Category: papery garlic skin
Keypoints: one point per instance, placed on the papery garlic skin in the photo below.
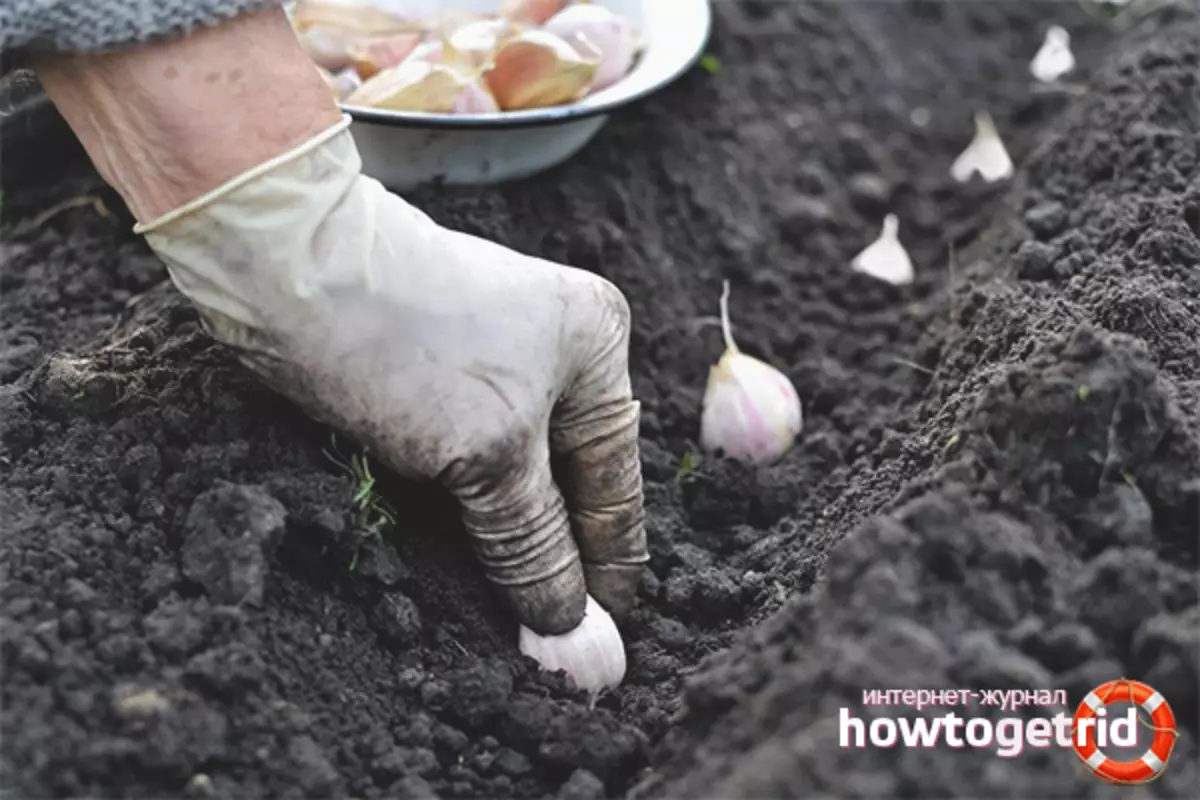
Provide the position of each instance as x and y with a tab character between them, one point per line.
534	12
328	29
417	86
986	154
535	69
372	56
1054	59
475	43
751	411
885	258
344	83
596	31
475	99
592	655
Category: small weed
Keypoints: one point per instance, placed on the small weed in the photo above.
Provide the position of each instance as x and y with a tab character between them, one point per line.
1129	478
710	63
955	438
374	513
1083	392
688	463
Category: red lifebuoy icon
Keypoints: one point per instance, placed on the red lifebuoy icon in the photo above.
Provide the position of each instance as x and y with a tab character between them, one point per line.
1151	763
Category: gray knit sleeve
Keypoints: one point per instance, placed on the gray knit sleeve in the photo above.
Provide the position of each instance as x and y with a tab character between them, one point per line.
90	25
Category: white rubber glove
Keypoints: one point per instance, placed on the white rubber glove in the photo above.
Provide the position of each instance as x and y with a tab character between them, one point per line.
448	357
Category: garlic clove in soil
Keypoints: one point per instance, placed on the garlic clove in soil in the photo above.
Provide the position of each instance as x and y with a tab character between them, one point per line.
986	154
535	69
595	30
592	655
885	258
1054	59
751	411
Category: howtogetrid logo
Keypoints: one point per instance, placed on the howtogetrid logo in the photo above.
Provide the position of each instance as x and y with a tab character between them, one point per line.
1104	738
1088	721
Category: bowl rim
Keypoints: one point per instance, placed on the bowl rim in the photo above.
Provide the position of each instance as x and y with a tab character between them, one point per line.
535	117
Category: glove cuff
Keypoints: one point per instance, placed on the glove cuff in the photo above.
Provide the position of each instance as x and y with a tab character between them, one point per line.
143	228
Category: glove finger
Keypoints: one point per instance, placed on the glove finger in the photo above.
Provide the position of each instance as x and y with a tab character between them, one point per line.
521	533
594	432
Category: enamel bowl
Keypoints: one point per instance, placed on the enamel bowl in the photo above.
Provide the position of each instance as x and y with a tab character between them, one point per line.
405	149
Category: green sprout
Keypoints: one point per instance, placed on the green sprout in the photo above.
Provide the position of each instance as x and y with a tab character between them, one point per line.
373	509
710	63
687	465
1083	392
1129	479
374	513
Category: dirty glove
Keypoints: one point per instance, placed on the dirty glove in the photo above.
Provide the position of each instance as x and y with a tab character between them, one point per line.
447	356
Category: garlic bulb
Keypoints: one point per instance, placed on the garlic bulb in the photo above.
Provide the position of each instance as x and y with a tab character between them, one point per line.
535	68
885	258
751	411
1054	59
592	655
596	31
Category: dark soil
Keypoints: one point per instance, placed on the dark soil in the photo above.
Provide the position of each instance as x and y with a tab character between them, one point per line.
998	485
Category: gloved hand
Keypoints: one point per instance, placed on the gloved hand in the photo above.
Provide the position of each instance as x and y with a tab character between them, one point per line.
449	357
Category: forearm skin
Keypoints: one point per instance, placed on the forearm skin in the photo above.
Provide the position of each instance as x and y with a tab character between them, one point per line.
169	121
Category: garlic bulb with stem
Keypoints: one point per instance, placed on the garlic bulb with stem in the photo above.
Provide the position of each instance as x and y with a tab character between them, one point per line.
751	411
885	258
1054	59
985	154
592	655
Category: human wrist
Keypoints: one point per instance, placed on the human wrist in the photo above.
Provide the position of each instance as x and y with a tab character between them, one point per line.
168	122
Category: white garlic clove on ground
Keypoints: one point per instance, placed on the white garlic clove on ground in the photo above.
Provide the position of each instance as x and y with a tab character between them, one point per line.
592	655
751	411
986	154
1054	59
885	258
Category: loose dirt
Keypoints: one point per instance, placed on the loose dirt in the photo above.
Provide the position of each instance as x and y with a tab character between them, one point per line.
998	484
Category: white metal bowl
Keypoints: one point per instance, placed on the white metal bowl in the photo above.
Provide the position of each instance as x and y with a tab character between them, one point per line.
406	149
